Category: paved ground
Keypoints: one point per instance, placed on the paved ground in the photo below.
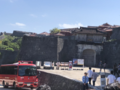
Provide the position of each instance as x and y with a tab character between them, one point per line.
76	74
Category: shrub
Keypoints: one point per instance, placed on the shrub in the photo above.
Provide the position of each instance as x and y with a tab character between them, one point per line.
9	49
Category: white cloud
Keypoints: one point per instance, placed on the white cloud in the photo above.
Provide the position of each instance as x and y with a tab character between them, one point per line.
70	25
18	24
33	15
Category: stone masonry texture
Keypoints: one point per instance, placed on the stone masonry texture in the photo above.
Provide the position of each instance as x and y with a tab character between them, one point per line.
8	57
47	49
57	82
111	53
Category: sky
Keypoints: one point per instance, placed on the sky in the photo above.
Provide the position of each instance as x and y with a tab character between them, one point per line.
43	15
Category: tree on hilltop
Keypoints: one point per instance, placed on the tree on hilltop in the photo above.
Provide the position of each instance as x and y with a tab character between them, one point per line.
55	30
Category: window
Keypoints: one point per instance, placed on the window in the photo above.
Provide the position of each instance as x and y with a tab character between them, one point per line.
12	70
27	71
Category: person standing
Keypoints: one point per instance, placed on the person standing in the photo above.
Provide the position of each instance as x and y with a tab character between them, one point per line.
90	75
94	77
100	65
85	81
118	80
115	69
119	70
104	66
111	78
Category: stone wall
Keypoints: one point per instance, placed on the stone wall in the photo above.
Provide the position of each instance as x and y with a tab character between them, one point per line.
20	33
8	57
89	38
47	49
116	34
38	49
57	82
96	48
67	49
111	53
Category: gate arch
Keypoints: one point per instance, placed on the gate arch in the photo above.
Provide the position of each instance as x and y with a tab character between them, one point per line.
89	57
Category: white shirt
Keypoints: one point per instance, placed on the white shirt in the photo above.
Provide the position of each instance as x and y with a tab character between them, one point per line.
118	79
89	73
111	78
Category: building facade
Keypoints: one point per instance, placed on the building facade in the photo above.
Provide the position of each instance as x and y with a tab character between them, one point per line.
89	43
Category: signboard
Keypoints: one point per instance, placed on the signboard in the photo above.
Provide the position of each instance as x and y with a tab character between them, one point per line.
64	64
70	65
74	61
80	62
38	63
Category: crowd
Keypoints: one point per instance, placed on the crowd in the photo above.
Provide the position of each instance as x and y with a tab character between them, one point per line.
92	75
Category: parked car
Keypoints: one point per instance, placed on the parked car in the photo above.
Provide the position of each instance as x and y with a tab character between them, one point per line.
48	65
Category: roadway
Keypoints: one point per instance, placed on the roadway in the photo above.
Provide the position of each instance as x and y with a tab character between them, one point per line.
10	88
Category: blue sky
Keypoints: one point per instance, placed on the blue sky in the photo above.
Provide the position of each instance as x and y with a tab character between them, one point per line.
42	15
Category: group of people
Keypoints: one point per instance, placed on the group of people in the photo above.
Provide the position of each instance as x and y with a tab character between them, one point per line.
92	75
102	65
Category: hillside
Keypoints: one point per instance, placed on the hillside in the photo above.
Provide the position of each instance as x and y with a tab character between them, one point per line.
10	43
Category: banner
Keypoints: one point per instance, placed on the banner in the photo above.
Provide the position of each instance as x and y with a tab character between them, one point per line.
80	62
74	61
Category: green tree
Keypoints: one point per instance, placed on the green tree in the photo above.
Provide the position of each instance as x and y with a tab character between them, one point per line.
55	30
14	46
9	49
3	47
11	43
19	41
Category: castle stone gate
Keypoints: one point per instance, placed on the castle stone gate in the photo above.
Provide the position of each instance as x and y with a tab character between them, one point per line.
89	56
88	53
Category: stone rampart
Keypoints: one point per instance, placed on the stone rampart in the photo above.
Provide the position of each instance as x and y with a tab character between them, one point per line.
47	49
8	57
38	49
116	34
57	82
111	53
